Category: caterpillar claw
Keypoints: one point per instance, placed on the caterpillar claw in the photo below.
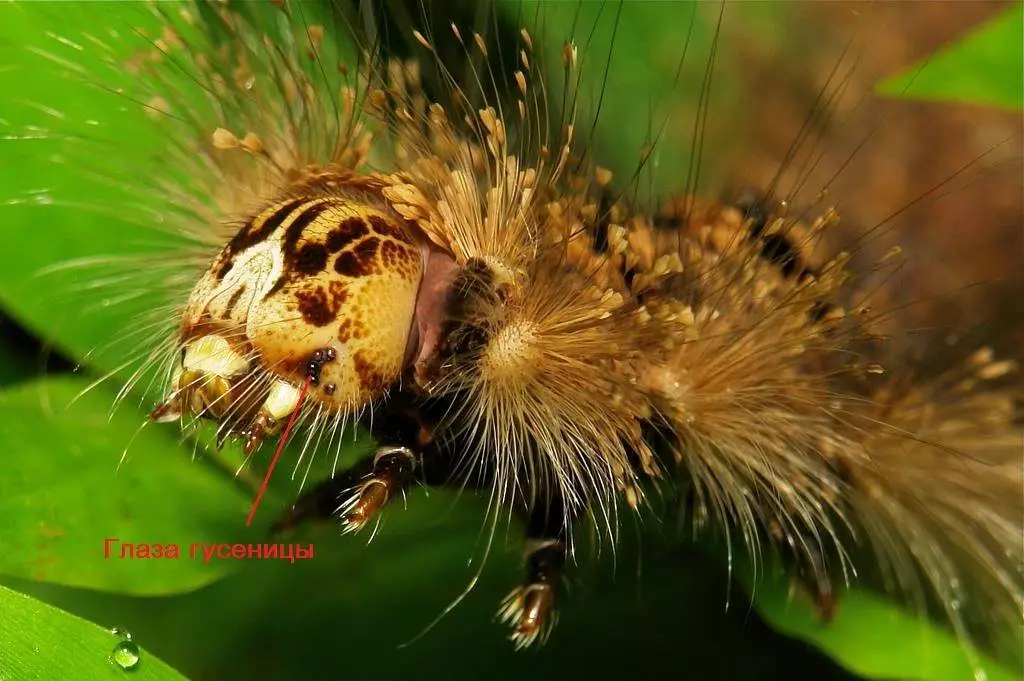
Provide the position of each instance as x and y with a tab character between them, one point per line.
530	611
392	471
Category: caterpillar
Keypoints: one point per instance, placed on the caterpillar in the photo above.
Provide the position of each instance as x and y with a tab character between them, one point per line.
460	276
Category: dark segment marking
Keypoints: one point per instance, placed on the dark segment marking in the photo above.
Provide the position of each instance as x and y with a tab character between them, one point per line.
345	233
775	248
779	250
629	275
254	232
604	213
755	210
233	301
359	262
464	329
818	311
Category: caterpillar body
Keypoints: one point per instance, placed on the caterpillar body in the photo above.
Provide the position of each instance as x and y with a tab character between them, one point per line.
502	313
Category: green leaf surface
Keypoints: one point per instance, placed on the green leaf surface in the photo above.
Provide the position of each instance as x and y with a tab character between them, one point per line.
40	642
59	186
875	639
984	67
62	494
656	613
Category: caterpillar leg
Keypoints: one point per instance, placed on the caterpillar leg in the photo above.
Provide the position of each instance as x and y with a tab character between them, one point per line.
363	490
357	494
809	572
391	472
811	578
819	587
530	608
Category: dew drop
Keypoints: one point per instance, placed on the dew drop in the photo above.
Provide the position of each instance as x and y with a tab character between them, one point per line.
126	655
120	632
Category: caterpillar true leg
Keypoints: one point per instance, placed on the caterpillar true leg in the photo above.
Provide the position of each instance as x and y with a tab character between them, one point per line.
364	489
530	608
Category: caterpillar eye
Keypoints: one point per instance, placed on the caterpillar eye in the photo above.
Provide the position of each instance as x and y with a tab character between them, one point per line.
323	288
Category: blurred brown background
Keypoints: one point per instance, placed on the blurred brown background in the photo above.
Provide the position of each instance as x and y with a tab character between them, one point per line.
964	243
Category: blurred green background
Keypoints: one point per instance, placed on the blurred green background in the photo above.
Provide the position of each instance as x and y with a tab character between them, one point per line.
657	607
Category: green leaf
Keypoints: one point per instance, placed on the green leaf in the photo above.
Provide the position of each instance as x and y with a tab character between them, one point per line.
985	67
38	641
874	638
59	129
62	494
651	614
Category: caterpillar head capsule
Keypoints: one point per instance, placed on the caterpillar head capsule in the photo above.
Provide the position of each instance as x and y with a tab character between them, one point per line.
322	287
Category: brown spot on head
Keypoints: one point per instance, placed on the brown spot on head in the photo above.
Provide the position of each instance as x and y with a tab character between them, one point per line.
345	233
314	306
351	329
371	380
358	262
320	306
311	259
345	331
386	228
396	256
339	294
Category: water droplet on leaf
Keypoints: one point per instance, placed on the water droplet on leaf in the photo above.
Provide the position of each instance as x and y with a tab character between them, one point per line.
126	655
121	632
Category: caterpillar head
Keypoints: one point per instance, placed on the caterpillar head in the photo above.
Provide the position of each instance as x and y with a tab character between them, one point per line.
317	287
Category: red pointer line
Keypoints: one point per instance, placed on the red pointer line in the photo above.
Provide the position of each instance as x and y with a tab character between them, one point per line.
280	448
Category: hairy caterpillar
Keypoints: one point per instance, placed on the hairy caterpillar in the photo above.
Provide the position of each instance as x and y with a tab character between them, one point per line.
557	340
